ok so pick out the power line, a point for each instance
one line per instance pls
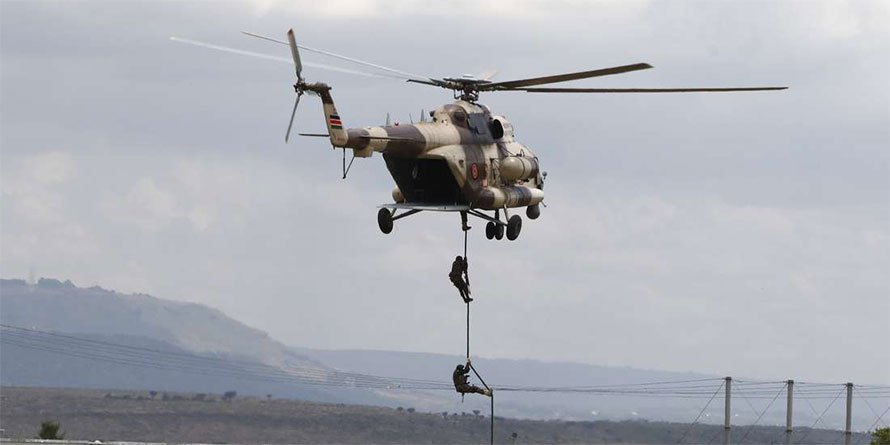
(688, 429)
(821, 415)
(751, 427)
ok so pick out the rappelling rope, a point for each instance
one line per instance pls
(468, 287)
(473, 368)
(468, 317)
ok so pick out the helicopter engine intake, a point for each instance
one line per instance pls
(518, 168)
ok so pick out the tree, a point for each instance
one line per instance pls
(229, 395)
(880, 436)
(50, 430)
(153, 394)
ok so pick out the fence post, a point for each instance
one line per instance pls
(848, 432)
(789, 411)
(727, 414)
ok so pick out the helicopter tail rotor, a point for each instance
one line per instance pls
(300, 85)
(295, 52)
(292, 114)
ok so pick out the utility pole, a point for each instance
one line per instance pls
(789, 411)
(727, 414)
(848, 432)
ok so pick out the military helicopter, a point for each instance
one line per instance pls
(465, 159)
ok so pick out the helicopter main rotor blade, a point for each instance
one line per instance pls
(401, 74)
(292, 114)
(277, 58)
(644, 90)
(298, 66)
(564, 77)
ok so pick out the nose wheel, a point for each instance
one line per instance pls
(384, 220)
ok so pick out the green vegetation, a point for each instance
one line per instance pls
(50, 430)
(880, 436)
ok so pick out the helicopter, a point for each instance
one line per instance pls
(464, 159)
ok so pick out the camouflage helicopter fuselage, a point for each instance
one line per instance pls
(464, 156)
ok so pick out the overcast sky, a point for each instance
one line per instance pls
(740, 234)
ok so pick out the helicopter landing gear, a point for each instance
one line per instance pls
(496, 229)
(386, 217)
(384, 220)
(499, 232)
(514, 226)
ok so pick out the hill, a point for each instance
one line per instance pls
(194, 335)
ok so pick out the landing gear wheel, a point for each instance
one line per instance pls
(514, 226)
(384, 220)
(490, 230)
(498, 231)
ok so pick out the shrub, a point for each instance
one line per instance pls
(50, 430)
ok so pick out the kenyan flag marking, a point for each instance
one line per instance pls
(335, 123)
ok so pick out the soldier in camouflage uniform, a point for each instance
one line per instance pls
(457, 274)
(461, 385)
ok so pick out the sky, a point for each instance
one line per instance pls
(743, 234)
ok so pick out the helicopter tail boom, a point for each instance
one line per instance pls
(336, 129)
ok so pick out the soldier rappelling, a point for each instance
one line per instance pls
(459, 277)
(461, 383)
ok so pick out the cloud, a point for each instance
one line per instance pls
(35, 183)
(150, 206)
(54, 167)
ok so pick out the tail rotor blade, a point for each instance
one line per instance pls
(295, 52)
(292, 114)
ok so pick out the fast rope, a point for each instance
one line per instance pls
(470, 363)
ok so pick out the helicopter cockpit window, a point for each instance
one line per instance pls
(459, 116)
